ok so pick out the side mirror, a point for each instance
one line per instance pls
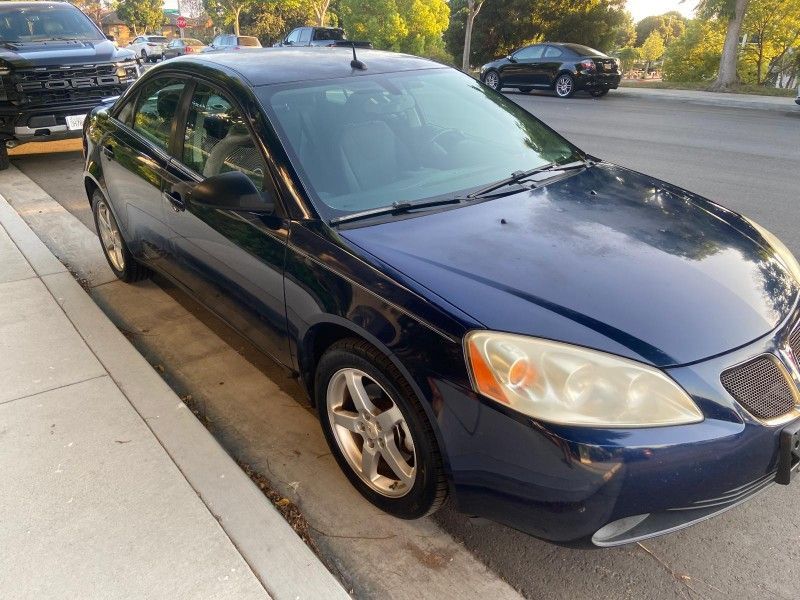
(511, 58)
(288, 42)
(231, 191)
(110, 38)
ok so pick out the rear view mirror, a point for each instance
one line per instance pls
(232, 191)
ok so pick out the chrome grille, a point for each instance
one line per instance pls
(794, 344)
(761, 387)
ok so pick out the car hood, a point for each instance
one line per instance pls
(61, 52)
(606, 258)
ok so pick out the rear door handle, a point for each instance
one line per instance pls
(175, 200)
(108, 150)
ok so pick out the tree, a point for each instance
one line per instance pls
(670, 25)
(628, 56)
(653, 48)
(413, 26)
(473, 8)
(91, 8)
(695, 55)
(226, 12)
(320, 10)
(772, 28)
(140, 15)
(732, 12)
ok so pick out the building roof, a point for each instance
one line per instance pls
(264, 66)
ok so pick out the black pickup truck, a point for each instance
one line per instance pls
(55, 66)
(319, 36)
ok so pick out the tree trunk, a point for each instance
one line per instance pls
(473, 8)
(236, 20)
(730, 51)
(321, 8)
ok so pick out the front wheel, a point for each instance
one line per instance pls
(492, 79)
(565, 85)
(598, 93)
(119, 258)
(377, 430)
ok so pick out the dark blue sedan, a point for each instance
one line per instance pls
(477, 308)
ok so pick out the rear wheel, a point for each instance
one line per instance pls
(598, 93)
(525, 90)
(492, 79)
(565, 85)
(377, 430)
(119, 258)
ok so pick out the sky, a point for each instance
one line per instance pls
(644, 8)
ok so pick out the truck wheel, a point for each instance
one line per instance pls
(4, 162)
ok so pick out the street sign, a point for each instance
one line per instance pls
(181, 22)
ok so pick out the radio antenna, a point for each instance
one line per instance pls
(355, 63)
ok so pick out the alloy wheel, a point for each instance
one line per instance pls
(110, 236)
(564, 86)
(371, 433)
(493, 80)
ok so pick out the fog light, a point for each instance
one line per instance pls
(121, 72)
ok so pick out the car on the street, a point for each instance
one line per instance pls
(150, 48)
(228, 42)
(562, 67)
(182, 46)
(55, 66)
(797, 100)
(476, 307)
(319, 36)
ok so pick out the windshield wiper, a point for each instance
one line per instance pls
(396, 208)
(520, 176)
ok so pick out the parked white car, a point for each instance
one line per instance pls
(149, 47)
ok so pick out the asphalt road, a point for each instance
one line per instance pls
(747, 160)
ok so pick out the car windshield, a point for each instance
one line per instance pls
(192, 42)
(248, 41)
(584, 50)
(44, 23)
(328, 34)
(367, 142)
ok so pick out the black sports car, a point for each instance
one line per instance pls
(564, 68)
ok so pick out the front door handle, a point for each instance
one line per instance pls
(175, 201)
(108, 150)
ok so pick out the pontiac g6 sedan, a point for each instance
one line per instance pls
(477, 308)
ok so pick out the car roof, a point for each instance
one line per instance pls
(33, 4)
(266, 66)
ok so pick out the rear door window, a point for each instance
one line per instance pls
(553, 52)
(156, 108)
(305, 35)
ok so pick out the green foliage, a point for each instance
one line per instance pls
(695, 55)
(772, 28)
(141, 16)
(270, 20)
(413, 26)
(628, 56)
(653, 47)
(670, 25)
(226, 13)
(505, 25)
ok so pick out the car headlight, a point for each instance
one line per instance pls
(782, 253)
(570, 385)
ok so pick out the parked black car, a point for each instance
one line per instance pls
(564, 68)
(227, 42)
(319, 36)
(475, 306)
(55, 66)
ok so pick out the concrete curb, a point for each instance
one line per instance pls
(284, 565)
(745, 101)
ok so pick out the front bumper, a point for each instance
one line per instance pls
(591, 487)
(40, 124)
(594, 81)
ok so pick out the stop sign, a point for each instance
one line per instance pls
(181, 22)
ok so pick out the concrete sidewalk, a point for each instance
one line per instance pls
(746, 101)
(111, 488)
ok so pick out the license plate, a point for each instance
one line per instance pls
(75, 121)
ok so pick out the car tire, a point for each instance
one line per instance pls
(382, 440)
(525, 90)
(119, 258)
(4, 160)
(565, 85)
(144, 56)
(492, 79)
(598, 93)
